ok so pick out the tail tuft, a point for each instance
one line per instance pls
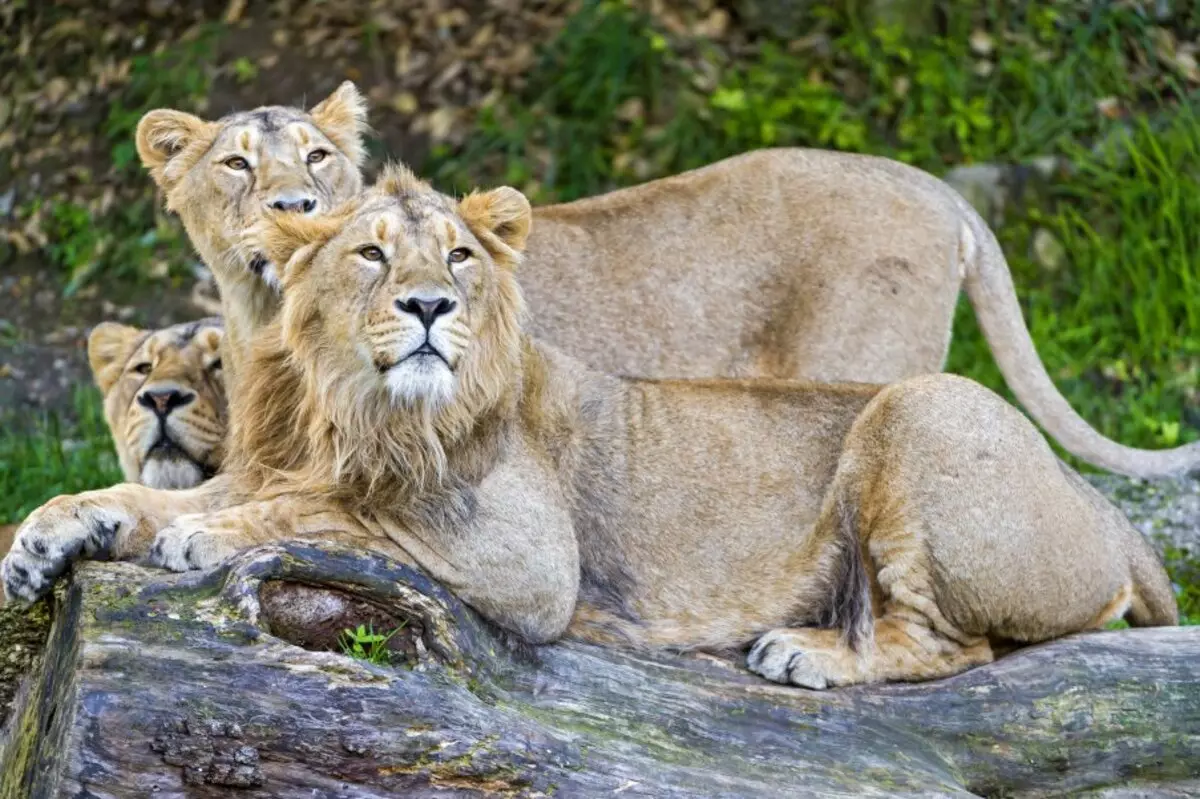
(849, 608)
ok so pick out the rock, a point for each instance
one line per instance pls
(783, 19)
(1165, 511)
(983, 186)
(1048, 251)
(992, 189)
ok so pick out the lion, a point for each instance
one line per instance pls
(842, 534)
(220, 177)
(787, 263)
(164, 399)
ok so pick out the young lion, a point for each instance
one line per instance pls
(851, 533)
(785, 263)
(164, 399)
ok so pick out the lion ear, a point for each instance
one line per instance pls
(502, 212)
(108, 347)
(342, 116)
(163, 134)
(210, 335)
(283, 236)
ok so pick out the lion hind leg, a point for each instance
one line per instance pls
(896, 630)
(904, 646)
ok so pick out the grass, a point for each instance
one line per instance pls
(175, 77)
(51, 457)
(363, 643)
(1184, 569)
(127, 244)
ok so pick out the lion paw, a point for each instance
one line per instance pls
(789, 657)
(59, 532)
(189, 544)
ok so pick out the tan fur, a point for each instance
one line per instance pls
(787, 263)
(174, 446)
(850, 533)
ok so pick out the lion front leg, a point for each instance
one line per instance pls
(205, 540)
(117, 522)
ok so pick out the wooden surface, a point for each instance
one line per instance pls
(175, 685)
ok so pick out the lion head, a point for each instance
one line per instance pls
(400, 325)
(220, 177)
(164, 399)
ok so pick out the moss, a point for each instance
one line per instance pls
(30, 628)
(23, 632)
(17, 758)
(480, 768)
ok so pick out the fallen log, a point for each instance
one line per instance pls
(200, 685)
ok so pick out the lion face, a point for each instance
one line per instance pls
(406, 284)
(164, 399)
(221, 177)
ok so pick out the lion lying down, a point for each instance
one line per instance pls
(164, 399)
(849, 534)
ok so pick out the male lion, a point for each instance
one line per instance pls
(164, 399)
(783, 263)
(850, 533)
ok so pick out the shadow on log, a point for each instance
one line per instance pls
(191, 686)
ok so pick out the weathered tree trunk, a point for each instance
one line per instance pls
(188, 685)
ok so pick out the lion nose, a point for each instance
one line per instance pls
(163, 402)
(305, 205)
(427, 310)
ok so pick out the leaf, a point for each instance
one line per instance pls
(729, 99)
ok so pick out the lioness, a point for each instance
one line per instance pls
(164, 399)
(784, 263)
(850, 533)
(221, 176)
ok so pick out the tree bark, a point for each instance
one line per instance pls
(193, 685)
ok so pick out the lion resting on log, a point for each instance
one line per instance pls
(846, 534)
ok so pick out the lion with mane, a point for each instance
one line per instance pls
(842, 533)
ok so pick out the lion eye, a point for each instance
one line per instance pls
(371, 253)
(142, 368)
(458, 255)
(215, 365)
(237, 163)
(317, 156)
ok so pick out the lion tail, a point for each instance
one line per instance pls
(990, 288)
(848, 603)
